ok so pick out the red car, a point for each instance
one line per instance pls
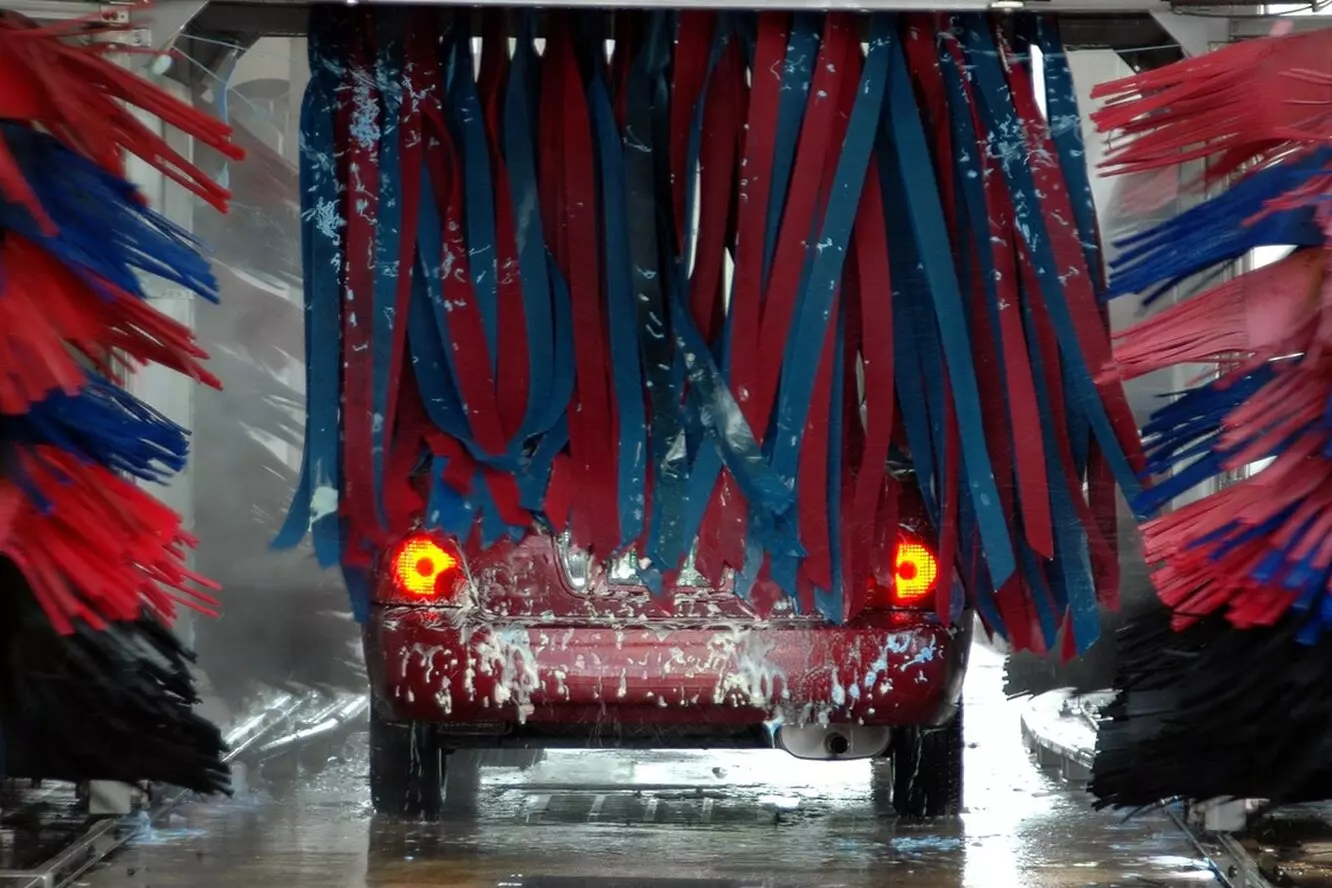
(533, 645)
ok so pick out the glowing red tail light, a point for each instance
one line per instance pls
(915, 576)
(426, 569)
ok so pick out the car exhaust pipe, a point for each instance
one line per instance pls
(834, 742)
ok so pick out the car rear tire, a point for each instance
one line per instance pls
(407, 769)
(927, 770)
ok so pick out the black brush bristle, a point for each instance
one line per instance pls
(115, 704)
(1215, 712)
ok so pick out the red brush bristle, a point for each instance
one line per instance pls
(50, 319)
(97, 547)
(85, 99)
(1237, 104)
(1266, 312)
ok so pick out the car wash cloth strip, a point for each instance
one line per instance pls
(1073, 575)
(1255, 549)
(1005, 376)
(314, 507)
(634, 163)
(784, 51)
(77, 247)
(666, 406)
(419, 132)
(1085, 526)
(721, 539)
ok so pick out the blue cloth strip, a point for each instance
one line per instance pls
(802, 51)
(1072, 586)
(647, 98)
(622, 314)
(314, 506)
(907, 135)
(479, 216)
(548, 391)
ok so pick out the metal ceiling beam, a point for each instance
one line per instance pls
(1196, 34)
(1124, 32)
(273, 19)
(1249, 28)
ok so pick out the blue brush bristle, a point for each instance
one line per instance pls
(105, 425)
(1216, 231)
(104, 231)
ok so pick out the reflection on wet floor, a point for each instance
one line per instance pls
(657, 820)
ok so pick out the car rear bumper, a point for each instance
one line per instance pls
(428, 664)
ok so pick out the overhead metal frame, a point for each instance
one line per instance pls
(1138, 29)
(1128, 27)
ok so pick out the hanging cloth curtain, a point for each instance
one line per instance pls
(577, 360)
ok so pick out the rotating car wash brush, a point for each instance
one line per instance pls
(1242, 570)
(902, 278)
(83, 544)
(1267, 406)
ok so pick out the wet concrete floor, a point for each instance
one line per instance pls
(675, 820)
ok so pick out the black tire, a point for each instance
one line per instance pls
(407, 769)
(927, 770)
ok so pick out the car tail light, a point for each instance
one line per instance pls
(915, 575)
(427, 570)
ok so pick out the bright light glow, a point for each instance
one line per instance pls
(419, 564)
(914, 571)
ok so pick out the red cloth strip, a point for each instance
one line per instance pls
(725, 523)
(591, 445)
(513, 371)
(493, 74)
(1048, 343)
(722, 535)
(924, 68)
(722, 118)
(411, 128)
(874, 283)
(754, 198)
(812, 477)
